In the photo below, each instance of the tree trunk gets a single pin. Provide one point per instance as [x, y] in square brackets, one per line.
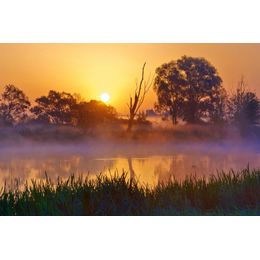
[130, 123]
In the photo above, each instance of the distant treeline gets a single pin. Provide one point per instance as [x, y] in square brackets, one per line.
[188, 90]
[57, 108]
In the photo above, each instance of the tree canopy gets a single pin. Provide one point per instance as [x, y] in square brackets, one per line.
[14, 106]
[189, 89]
[55, 108]
[66, 109]
[93, 112]
[243, 107]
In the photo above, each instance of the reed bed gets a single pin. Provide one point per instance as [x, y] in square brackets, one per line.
[232, 193]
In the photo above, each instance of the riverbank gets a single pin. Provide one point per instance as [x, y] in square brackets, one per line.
[224, 194]
[117, 134]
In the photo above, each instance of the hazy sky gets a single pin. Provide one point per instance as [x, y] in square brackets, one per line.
[90, 69]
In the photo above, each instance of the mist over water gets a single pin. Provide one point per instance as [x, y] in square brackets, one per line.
[148, 162]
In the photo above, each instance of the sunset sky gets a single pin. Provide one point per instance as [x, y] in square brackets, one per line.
[91, 69]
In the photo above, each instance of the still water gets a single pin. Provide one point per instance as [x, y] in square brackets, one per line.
[149, 165]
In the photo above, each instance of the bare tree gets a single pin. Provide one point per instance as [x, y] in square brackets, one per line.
[135, 103]
[243, 107]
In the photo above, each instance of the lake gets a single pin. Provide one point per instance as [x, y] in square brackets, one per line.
[148, 163]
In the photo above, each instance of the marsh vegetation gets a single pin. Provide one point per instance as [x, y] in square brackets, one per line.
[233, 193]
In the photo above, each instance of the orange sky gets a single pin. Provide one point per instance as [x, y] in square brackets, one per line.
[90, 69]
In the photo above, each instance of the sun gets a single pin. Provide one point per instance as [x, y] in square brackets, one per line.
[104, 97]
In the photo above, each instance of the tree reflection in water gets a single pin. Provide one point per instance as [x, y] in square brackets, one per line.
[147, 170]
[131, 169]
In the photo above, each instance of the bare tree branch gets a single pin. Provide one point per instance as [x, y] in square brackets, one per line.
[141, 91]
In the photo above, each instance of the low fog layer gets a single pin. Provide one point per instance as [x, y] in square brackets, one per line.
[39, 140]
[150, 158]
[109, 149]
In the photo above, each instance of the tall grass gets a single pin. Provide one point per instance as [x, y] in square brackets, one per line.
[223, 194]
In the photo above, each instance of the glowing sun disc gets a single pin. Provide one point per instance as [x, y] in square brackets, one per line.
[104, 97]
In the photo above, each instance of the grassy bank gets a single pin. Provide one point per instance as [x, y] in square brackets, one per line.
[225, 194]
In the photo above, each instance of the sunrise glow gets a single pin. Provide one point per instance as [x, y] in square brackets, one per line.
[104, 97]
[91, 69]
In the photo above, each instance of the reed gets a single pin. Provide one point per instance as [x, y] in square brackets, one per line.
[232, 193]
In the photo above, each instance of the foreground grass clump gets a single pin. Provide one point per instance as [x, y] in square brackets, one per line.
[224, 194]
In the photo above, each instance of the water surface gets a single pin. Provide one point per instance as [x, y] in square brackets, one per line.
[149, 164]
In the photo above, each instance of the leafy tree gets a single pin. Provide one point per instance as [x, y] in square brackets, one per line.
[243, 107]
[217, 113]
[189, 89]
[14, 106]
[89, 114]
[56, 108]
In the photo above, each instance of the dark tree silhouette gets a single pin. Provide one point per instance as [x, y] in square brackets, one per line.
[217, 113]
[243, 107]
[14, 106]
[89, 114]
[189, 89]
[135, 103]
[56, 108]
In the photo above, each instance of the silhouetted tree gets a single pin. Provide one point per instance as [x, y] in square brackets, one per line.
[56, 108]
[89, 114]
[135, 103]
[243, 107]
[217, 113]
[14, 106]
[189, 89]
